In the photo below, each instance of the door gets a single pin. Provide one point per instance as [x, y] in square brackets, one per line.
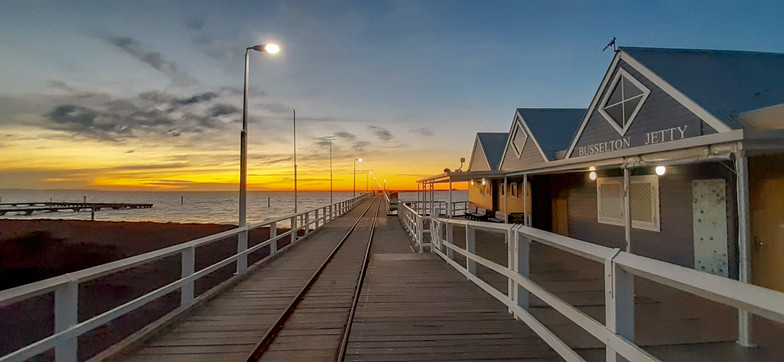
[767, 233]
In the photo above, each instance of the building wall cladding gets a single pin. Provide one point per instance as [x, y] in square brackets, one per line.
[476, 197]
[528, 159]
[479, 161]
[674, 243]
[660, 111]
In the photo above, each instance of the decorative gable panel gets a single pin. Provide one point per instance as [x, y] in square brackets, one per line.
[653, 116]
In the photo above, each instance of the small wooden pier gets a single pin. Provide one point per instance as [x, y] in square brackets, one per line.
[27, 208]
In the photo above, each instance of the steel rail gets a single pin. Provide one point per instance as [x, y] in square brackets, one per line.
[360, 281]
[273, 331]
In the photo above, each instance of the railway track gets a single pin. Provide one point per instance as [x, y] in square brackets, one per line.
[317, 321]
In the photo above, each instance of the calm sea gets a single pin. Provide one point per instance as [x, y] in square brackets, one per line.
[187, 207]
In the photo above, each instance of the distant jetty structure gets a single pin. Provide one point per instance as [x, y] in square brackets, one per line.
[27, 208]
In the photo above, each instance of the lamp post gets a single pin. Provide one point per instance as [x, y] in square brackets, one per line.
[294, 119]
[330, 167]
[367, 178]
[355, 175]
[242, 243]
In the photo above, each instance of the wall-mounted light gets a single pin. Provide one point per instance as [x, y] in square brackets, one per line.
[484, 182]
[660, 170]
[472, 182]
[592, 175]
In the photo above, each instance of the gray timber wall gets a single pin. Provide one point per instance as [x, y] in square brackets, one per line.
[674, 243]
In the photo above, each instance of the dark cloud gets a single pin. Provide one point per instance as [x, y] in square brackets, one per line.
[382, 133]
[198, 98]
[345, 135]
[153, 59]
[83, 120]
[360, 146]
[275, 107]
[422, 131]
[222, 109]
[151, 113]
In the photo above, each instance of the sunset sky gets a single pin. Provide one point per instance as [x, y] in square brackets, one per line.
[147, 95]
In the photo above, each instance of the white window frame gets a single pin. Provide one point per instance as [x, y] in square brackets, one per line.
[654, 225]
[518, 128]
[645, 93]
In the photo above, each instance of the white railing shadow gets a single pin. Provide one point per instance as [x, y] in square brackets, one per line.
[617, 334]
[66, 287]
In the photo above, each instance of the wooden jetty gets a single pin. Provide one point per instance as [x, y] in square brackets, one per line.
[27, 208]
[351, 286]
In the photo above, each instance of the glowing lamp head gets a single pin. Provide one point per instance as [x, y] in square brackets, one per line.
[472, 182]
[270, 48]
[359, 160]
[660, 170]
[484, 182]
[592, 175]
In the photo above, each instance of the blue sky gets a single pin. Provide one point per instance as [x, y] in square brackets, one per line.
[151, 85]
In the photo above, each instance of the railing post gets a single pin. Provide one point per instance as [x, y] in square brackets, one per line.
[331, 216]
[307, 223]
[242, 245]
[188, 267]
[471, 248]
[522, 266]
[66, 315]
[450, 239]
[619, 303]
[316, 218]
[294, 230]
[419, 232]
[273, 232]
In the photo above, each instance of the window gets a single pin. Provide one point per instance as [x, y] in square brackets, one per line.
[623, 101]
[518, 139]
[644, 201]
[513, 189]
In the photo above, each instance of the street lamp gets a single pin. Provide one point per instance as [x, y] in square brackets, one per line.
[330, 167]
[367, 178]
[355, 175]
[294, 119]
[242, 242]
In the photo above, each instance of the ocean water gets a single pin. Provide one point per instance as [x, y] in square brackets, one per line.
[196, 207]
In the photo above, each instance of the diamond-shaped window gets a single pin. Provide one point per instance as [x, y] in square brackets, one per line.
[622, 103]
[518, 140]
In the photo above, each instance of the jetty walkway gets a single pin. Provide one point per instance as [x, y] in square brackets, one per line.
[27, 208]
[349, 282]
[400, 314]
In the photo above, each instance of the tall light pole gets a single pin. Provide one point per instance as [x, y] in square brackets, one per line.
[355, 174]
[330, 168]
[294, 118]
[242, 242]
[367, 178]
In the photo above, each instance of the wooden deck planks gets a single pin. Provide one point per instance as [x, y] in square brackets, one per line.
[419, 308]
[229, 326]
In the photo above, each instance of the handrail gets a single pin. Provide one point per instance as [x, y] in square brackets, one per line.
[763, 302]
[65, 286]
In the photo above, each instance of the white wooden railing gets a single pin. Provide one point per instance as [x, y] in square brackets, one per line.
[67, 327]
[620, 267]
[416, 225]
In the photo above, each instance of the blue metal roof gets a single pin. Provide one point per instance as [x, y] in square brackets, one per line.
[724, 83]
[553, 128]
[493, 144]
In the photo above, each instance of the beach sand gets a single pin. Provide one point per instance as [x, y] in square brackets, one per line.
[32, 250]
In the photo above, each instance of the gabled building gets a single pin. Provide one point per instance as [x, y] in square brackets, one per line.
[678, 158]
[485, 158]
